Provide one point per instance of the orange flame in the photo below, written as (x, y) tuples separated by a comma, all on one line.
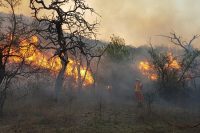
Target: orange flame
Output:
[(173, 63), (147, 69), (37, 58)]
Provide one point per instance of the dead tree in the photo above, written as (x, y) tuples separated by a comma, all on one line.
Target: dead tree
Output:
[(65, 28), (83, 62), (173, 81), (13, 32), (190, 55)]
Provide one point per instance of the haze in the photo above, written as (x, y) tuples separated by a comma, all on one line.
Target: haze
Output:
[(138, 20)]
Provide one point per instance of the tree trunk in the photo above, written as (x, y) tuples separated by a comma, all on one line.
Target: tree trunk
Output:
[(78, 68), (79, 77), (59, 81), (2, 68), (2, 100), (2, 90), (2, 73)]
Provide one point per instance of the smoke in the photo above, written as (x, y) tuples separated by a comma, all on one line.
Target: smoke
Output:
[(114, 86), (137, 21)]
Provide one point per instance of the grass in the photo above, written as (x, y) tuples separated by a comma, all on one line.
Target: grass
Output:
[(37, 115)]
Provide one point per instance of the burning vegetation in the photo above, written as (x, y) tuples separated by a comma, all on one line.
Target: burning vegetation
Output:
[(63, 44), (174, 76), (36, 58), (148, 69)]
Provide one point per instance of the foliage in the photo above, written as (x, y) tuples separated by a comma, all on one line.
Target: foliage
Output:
[(117, 50)]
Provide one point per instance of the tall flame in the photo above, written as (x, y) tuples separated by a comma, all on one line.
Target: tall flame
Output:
[(37, 58)]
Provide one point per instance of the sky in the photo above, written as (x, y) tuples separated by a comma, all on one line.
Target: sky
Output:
[(139, 20)]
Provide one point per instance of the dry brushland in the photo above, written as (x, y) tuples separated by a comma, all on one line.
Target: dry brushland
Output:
[(57, 77), (86, 114)]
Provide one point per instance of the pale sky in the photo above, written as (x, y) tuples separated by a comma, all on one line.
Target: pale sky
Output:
[(138, 20)]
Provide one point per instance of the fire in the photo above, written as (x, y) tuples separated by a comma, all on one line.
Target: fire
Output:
[(173, 63), (40, 59), (153, 76), (148, 69)]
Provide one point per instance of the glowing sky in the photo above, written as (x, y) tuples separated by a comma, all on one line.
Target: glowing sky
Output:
[(138, 20)]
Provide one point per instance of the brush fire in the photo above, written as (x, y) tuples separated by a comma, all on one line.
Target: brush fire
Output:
[(149, 70), (32, 56)]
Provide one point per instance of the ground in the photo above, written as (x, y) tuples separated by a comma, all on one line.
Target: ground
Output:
[(75, 115)]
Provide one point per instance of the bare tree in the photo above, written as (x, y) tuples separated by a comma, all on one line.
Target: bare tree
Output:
[(13, 32), (172, 80), (66, 29), (189, 57)]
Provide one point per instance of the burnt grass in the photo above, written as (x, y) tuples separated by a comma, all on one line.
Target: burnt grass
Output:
[(88, 114)]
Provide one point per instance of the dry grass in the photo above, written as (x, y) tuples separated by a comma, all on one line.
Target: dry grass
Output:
[(40, 115)]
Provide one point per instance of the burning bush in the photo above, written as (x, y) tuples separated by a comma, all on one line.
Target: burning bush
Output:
[(171, 74)]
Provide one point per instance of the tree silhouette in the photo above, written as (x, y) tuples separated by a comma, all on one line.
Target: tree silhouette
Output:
[(66, 30), (13, 31)]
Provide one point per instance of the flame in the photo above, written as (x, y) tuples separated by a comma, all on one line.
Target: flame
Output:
[(34, 57), (147, 69), (173, 62), (153, 77)]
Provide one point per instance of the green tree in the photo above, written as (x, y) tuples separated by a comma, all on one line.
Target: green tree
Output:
[(117, 50)]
